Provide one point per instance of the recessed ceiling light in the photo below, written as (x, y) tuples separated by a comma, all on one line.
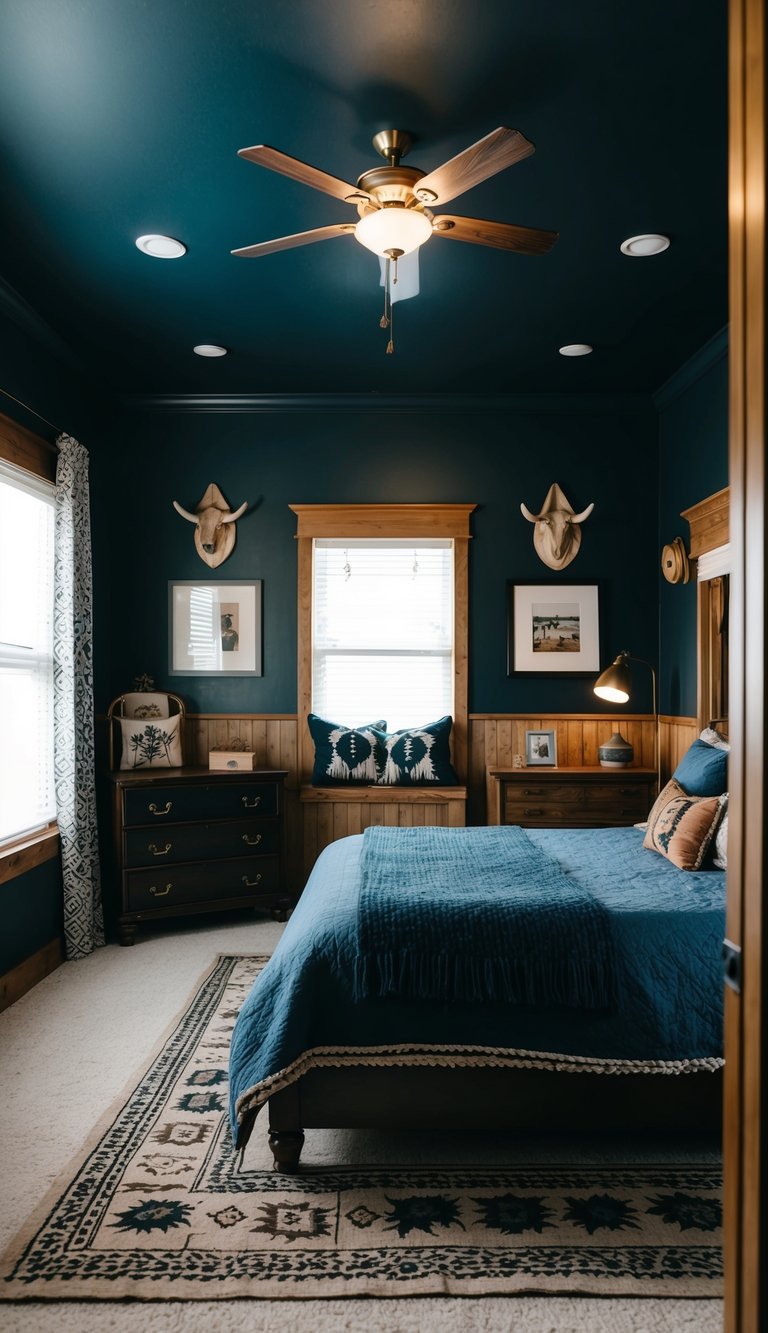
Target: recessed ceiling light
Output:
[(210, 349), (651, 243), (576, 349), (161, 247)]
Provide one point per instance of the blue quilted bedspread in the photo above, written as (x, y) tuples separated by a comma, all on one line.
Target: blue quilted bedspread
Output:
[(666, 927), (477, 914)]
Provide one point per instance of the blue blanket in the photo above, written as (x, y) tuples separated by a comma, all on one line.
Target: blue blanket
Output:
[(477, 914), (667, 928)]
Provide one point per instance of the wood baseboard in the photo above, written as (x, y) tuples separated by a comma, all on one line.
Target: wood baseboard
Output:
[(25, 975)]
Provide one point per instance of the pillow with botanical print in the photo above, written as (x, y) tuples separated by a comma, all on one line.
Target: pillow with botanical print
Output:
[(346, 754), (144, 704), (151, 742), (681, 827), (419, 755)]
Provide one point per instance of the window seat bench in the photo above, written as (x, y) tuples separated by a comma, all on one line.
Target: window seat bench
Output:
[(329, 813)]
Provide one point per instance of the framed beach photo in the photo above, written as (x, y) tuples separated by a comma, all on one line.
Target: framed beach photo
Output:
[(214, 629), (552, 629), (541, 747)]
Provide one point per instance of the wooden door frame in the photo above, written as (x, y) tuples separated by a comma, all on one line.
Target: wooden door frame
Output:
[(745, 1158)]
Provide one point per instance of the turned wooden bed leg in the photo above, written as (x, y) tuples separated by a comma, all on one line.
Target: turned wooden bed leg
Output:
[(286, 1145)]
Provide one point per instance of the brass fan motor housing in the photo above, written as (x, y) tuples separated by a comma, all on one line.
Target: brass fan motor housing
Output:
[(387, 185), (675, 565)]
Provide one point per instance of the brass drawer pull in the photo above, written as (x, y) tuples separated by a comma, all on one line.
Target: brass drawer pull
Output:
[(533, 791), (159, 851), (251, 805), (160, 893), (253, 841), (251, 883), (533, 812), (153, 810)]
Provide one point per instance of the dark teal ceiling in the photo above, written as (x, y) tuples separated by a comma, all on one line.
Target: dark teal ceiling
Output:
[(121, 117)]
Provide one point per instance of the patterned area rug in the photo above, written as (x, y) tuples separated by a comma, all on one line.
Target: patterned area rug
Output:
[(160, 1208)]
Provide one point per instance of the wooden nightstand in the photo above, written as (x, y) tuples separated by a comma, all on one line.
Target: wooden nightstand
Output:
[(190, 840), (570, 797)]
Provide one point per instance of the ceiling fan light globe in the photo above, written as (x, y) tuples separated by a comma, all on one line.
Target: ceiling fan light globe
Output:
[(394, 228)]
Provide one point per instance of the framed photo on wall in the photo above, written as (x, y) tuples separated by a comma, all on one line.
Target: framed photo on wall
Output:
[(214, 629), (541, 747), (553, 629)]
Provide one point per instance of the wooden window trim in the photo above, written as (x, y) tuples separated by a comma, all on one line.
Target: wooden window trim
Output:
[(32, 453), (24, 853), (709, 523), (385, 521), (26, 450)]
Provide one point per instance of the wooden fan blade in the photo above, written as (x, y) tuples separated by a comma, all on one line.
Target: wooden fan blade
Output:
[(501, 235), (274, 160), (300, 238), (499, 149)]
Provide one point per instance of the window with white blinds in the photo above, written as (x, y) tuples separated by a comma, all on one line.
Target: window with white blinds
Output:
[(383, 634), (26, 652)]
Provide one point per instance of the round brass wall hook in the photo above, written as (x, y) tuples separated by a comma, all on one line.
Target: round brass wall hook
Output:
[(675, 565)]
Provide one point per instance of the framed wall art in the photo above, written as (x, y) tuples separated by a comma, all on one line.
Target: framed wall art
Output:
[(553, 629), (541, 747), (214, 629)]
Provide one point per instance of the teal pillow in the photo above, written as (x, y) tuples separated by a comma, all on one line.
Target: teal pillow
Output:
[(346, 754), (419, 756), (703, 770)]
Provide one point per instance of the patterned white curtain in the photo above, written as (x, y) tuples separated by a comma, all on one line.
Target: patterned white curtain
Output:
[(74, 762)]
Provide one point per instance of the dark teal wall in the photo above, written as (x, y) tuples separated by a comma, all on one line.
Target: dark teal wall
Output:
[(496, 457), (693, 463), (31, 911)]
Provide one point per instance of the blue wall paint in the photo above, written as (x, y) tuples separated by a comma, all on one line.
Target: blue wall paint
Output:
[(495, 458), (31, 910), (693, 463)]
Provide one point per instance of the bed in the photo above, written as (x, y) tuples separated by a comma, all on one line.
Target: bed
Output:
[(638, 1035)]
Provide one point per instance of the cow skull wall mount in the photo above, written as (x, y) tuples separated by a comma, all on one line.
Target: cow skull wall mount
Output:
[(556, 534), (214, 526)]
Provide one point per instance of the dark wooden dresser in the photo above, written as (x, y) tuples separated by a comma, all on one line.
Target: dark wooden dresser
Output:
[(189, 840), (570, 797)]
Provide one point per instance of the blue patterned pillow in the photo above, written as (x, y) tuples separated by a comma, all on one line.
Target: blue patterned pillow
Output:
[(419, 755), (346, 754), (703, 770)]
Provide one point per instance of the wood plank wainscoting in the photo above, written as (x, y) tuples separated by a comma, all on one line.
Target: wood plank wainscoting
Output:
[(494, 739), (675, 736)]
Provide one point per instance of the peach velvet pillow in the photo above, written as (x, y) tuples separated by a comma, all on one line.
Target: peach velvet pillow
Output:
[(681, 827)]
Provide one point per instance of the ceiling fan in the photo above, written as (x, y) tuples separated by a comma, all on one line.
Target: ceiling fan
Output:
[(395, 203)]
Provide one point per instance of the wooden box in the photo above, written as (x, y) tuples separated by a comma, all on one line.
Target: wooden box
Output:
[(231, 760)]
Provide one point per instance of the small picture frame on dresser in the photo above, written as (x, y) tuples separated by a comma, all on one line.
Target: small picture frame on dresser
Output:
[(541, 748)]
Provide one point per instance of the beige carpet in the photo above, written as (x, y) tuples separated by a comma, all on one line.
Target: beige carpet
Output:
[(86, 1027)]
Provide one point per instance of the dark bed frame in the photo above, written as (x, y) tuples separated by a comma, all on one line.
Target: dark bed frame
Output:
[(486, 1099)]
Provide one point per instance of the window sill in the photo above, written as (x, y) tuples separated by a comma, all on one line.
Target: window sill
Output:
[(16, 858)]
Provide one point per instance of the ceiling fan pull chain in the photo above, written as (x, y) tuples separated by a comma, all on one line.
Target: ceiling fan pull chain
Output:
[(384, 321), (391, 343)]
